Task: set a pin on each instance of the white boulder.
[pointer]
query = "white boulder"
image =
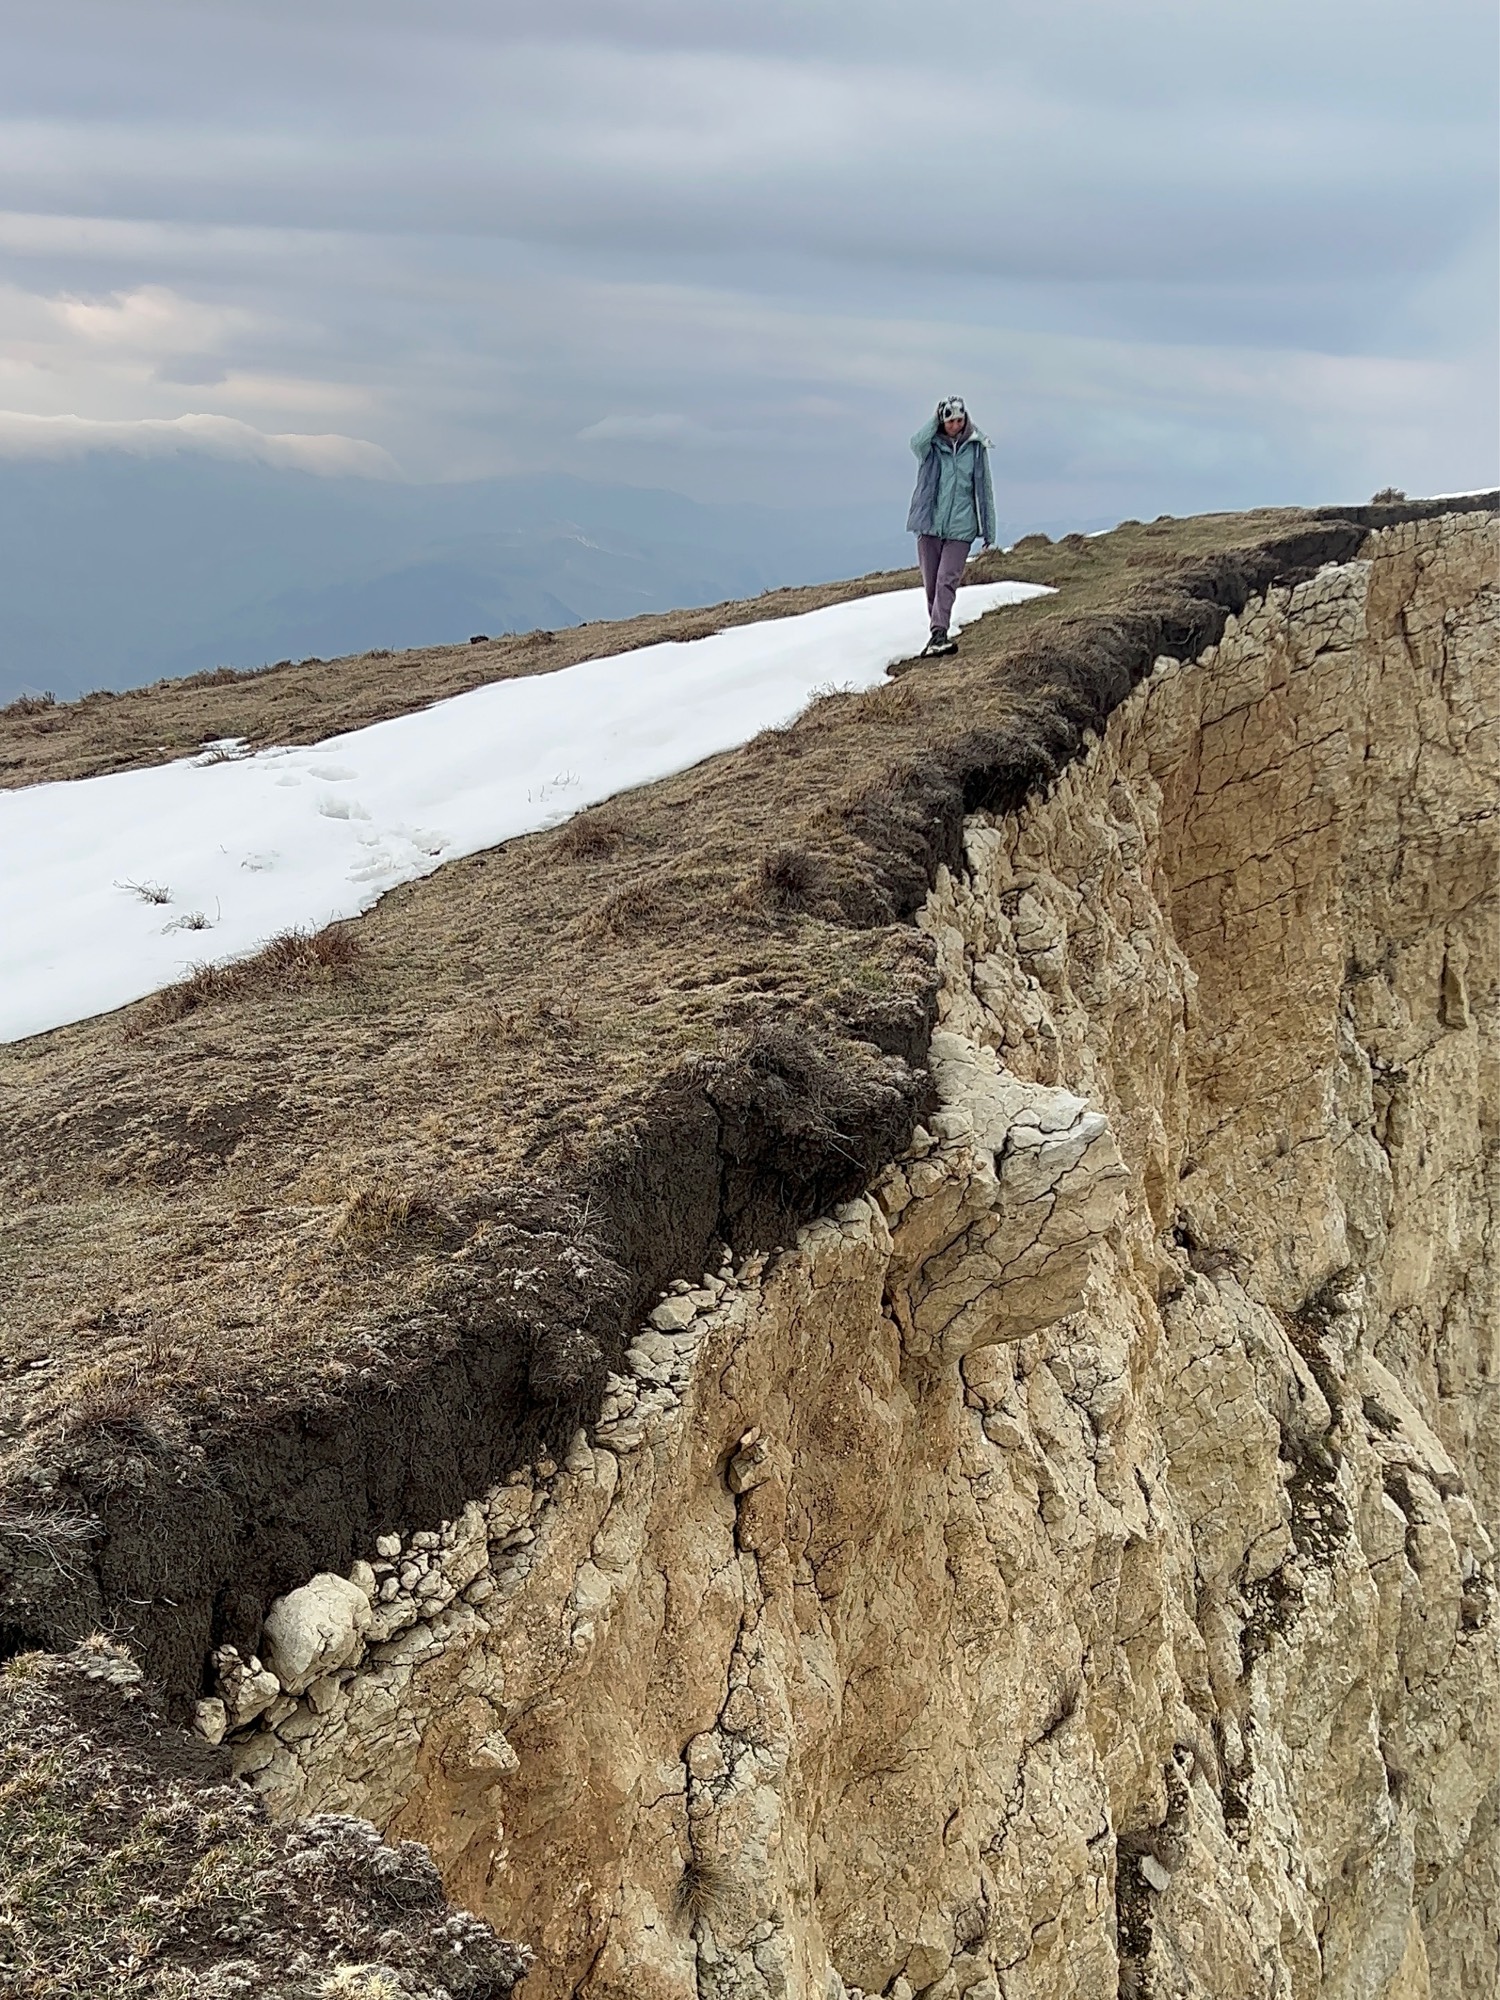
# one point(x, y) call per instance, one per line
point(316, 1630)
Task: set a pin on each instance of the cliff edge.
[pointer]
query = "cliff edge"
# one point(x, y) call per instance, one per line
point(1030, 1528)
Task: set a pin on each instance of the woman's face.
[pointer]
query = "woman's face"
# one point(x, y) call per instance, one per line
point(953, 425)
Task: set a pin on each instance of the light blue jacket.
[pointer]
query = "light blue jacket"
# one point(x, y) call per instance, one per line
point(955, 494)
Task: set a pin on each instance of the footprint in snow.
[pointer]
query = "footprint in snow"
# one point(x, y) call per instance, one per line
point(419, 837)
point(375, 869)
point(341, 809)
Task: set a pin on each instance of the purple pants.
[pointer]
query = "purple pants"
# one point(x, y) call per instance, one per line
point(942, 564)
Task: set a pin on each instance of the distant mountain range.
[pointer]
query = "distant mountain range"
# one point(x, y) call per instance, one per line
point(116, 570)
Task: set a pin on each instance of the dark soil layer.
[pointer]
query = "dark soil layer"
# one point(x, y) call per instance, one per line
point(175, 1517)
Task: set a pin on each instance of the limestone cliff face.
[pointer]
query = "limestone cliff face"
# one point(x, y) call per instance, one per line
point(1069, 1568)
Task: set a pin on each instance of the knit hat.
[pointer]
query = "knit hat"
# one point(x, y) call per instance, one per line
point(951, 406)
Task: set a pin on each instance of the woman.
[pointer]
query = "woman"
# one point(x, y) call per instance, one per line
point(953, 506)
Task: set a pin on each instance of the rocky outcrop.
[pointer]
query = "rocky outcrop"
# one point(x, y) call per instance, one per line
point(1067, 1568)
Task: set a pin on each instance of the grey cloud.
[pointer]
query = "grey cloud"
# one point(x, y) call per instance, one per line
point(190, 372)
point(711, 243)
point(329, 456)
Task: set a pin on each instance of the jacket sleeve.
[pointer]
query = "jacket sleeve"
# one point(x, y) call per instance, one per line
point(921, 444)
point(987, 522)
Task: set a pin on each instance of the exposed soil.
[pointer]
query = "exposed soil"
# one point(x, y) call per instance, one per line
point(327, 1252)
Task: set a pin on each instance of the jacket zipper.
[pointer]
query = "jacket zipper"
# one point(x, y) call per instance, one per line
point(973, 480)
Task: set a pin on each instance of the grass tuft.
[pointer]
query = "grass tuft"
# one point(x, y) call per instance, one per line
point(149, 892)
point(634, 907)
point(702, 1888)
point(295, 958)
point(372, 1213)
point(588, 836)
point(102, 1398)
point(791, 878)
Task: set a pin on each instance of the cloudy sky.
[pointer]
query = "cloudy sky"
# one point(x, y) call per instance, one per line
point(1176, 253)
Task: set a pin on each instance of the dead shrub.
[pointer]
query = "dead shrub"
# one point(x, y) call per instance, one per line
point(30, 704)
point(293, 959)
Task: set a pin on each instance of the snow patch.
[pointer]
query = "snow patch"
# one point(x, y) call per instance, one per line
point(265, 842)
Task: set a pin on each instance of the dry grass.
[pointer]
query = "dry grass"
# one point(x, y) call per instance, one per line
point(93, 1873)
point(149, 892)
point(189, 1172)
point(292, 959)
point(635, 905)
point(590, 836)
point(702, 1889)
point(374, 1213)
point(303, 701)
point(790, 877)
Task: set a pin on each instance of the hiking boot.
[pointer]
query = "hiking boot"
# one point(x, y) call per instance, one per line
point(939, 645)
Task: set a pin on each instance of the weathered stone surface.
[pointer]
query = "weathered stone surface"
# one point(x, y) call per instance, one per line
point(248, 1689)
point(313, 1630)
point(1014, 1255)
point(211, 1719)
point(1069, 1569)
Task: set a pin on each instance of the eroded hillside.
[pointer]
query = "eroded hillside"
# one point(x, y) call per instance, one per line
point(1042, 1542)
